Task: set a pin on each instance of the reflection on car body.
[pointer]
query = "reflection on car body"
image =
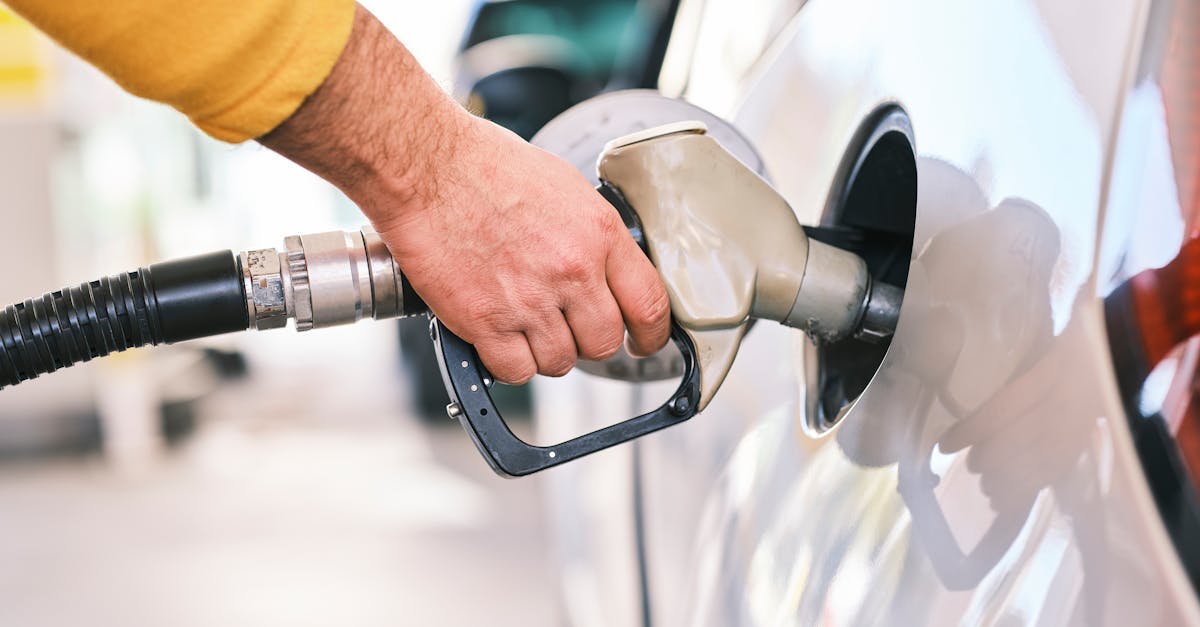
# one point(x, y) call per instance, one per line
point(988, 474)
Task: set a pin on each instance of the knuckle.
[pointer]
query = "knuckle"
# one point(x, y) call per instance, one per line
point(559, 367)
point(609, 225)
point(557, 362)
point(515, 373)
point(606, 345)
point(575, 268)
point(653, 309)
point(506, 363)
point(606, 351)
point(521, 376)
point(491, 319)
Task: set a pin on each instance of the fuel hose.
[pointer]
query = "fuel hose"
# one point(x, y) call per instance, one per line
point(318, 280)
point(166, 302)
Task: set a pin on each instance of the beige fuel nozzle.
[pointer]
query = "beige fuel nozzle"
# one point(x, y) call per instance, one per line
point(729, 249)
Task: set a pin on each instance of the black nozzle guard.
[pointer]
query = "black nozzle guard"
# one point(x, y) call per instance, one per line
point(469, 385)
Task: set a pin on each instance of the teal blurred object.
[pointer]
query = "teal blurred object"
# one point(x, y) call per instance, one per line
point(522, 62)
point(598, 27)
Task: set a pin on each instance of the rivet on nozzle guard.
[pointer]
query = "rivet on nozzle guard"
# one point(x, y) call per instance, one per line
point(729, 249)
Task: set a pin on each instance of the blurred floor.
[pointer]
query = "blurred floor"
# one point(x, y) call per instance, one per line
point(303, 499)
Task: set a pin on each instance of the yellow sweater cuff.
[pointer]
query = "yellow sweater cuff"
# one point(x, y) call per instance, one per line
point(237, 69)
point(311, 58)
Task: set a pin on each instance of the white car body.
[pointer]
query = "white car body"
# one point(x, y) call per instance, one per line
point(987, 475)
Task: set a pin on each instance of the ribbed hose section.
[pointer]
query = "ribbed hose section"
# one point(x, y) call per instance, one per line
point(77, 324)
point(170, 301)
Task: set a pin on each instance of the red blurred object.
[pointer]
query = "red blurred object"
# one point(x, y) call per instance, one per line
point(1167, 303)
point(1166, 300)
point(1181, 100)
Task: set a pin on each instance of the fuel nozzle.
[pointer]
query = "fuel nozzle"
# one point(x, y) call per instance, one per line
point(730, 249)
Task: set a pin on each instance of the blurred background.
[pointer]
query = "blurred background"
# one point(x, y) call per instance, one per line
point(262, 479)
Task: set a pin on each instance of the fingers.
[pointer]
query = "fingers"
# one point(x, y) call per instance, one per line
point(514, 358)
point(553, 346)
point(640, 294)
point(592, 328)
point(508, 358)
point(597, 325)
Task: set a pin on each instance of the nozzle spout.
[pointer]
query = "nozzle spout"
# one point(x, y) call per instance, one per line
point(730, 249)
point(882, 312)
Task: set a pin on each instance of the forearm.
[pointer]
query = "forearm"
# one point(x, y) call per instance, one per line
point(377, 127)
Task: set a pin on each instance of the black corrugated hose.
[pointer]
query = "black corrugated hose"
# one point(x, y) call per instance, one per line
point(166, 302)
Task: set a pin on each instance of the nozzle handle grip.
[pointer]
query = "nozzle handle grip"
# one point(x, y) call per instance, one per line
point(469, 385)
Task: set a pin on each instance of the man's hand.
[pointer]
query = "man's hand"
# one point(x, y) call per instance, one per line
point(518, 255)
point(508, 244)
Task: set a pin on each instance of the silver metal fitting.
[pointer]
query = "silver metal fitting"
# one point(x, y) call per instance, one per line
point(882, 312)
point(385, 276)
point(296, 271)
point(838, 298)
point(266, 301)
point(833, 294)
point(323, 280)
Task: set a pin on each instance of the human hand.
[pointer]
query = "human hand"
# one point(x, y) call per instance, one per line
point(518, 255)
point(507, 244)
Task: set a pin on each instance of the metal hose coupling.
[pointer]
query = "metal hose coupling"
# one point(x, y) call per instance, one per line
point(324, 280)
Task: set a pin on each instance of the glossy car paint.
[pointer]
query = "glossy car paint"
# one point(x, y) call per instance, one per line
point(986, 476)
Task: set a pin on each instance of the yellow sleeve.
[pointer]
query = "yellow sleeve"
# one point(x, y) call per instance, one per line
point(236, 68)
